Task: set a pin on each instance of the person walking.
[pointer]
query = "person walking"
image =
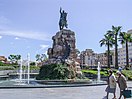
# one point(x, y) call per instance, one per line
point(122, 82)
point(111, 88)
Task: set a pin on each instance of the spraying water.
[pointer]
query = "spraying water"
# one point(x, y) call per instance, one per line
point(28, 73)
point(98, 72)
point(20, 71)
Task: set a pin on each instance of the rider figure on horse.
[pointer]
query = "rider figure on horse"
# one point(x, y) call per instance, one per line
point(63, 21)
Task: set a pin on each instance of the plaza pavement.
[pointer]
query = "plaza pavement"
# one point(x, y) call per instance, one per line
point(85, 92)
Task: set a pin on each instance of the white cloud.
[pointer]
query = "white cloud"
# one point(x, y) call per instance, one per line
point(0, 37)
point(44, 46)
point(16, 38)
point(4, 30)
point(29, 35)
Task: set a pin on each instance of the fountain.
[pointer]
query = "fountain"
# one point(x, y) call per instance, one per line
point(20, 74)
point(62, 51)
point(27, 82)
point(98, 76)
point(23, 79)
point(28, 73)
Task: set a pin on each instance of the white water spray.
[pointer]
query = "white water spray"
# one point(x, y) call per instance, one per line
point(28, 73)
point(98, 72)
point(20, 74)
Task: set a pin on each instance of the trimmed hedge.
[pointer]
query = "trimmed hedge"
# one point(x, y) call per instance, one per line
point(128, 74)
point(7, 68)
point(95, 72)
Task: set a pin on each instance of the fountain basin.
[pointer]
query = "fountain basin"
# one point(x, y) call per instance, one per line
point(9, 84)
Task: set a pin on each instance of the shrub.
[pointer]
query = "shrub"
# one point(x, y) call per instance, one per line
point(7, 68)
point(32, 63)
point(94, 72)
point(128, 74)
point(34, 67)
point(53, 71)
point(1, 63)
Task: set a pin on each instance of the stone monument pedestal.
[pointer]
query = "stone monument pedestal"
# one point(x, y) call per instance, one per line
point(64, 50)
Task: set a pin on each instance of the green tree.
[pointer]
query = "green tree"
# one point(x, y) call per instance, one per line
point(115, 32)
point(111, 53)
point(107, 41)
point(77, 52)
point(37, 57)
point(41, 57)
point(14, 58)
point(1, 63)
point(32, 63)
point(125, 38)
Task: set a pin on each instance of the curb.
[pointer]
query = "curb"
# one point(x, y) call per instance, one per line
point(49, 86)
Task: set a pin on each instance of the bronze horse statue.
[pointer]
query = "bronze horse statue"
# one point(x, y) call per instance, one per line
point(63, 21)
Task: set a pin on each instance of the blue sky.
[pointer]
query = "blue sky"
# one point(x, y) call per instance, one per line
point(27, 26)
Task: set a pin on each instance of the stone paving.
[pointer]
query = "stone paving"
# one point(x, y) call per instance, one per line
point(86, 92)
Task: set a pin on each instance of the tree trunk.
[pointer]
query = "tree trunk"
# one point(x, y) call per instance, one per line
point(127, 57)
point(116, 53)
point(108, 56)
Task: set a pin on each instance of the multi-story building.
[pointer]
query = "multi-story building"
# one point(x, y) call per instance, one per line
point(102, 58)
point(122, 53)
point(89, 58)
point(130, 49)
point(3, 59)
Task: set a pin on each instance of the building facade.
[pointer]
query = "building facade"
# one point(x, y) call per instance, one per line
point(89, 58)
point(3, 59)
point(130, 49)
point(122, 53)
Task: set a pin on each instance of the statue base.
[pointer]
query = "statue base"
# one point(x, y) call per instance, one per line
point(64, 50)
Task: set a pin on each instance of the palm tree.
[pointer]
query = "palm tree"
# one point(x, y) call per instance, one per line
point(37, 57)
point(41, 57)
point(11, 58)
point(107, 41)
point(111, 53)
point(17, 57)
point(125, 38)
point(77, 52)
point(116, 31)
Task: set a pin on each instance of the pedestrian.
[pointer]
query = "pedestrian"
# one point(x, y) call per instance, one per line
point(122, 82)
point(120, 69)
point(111, 88)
